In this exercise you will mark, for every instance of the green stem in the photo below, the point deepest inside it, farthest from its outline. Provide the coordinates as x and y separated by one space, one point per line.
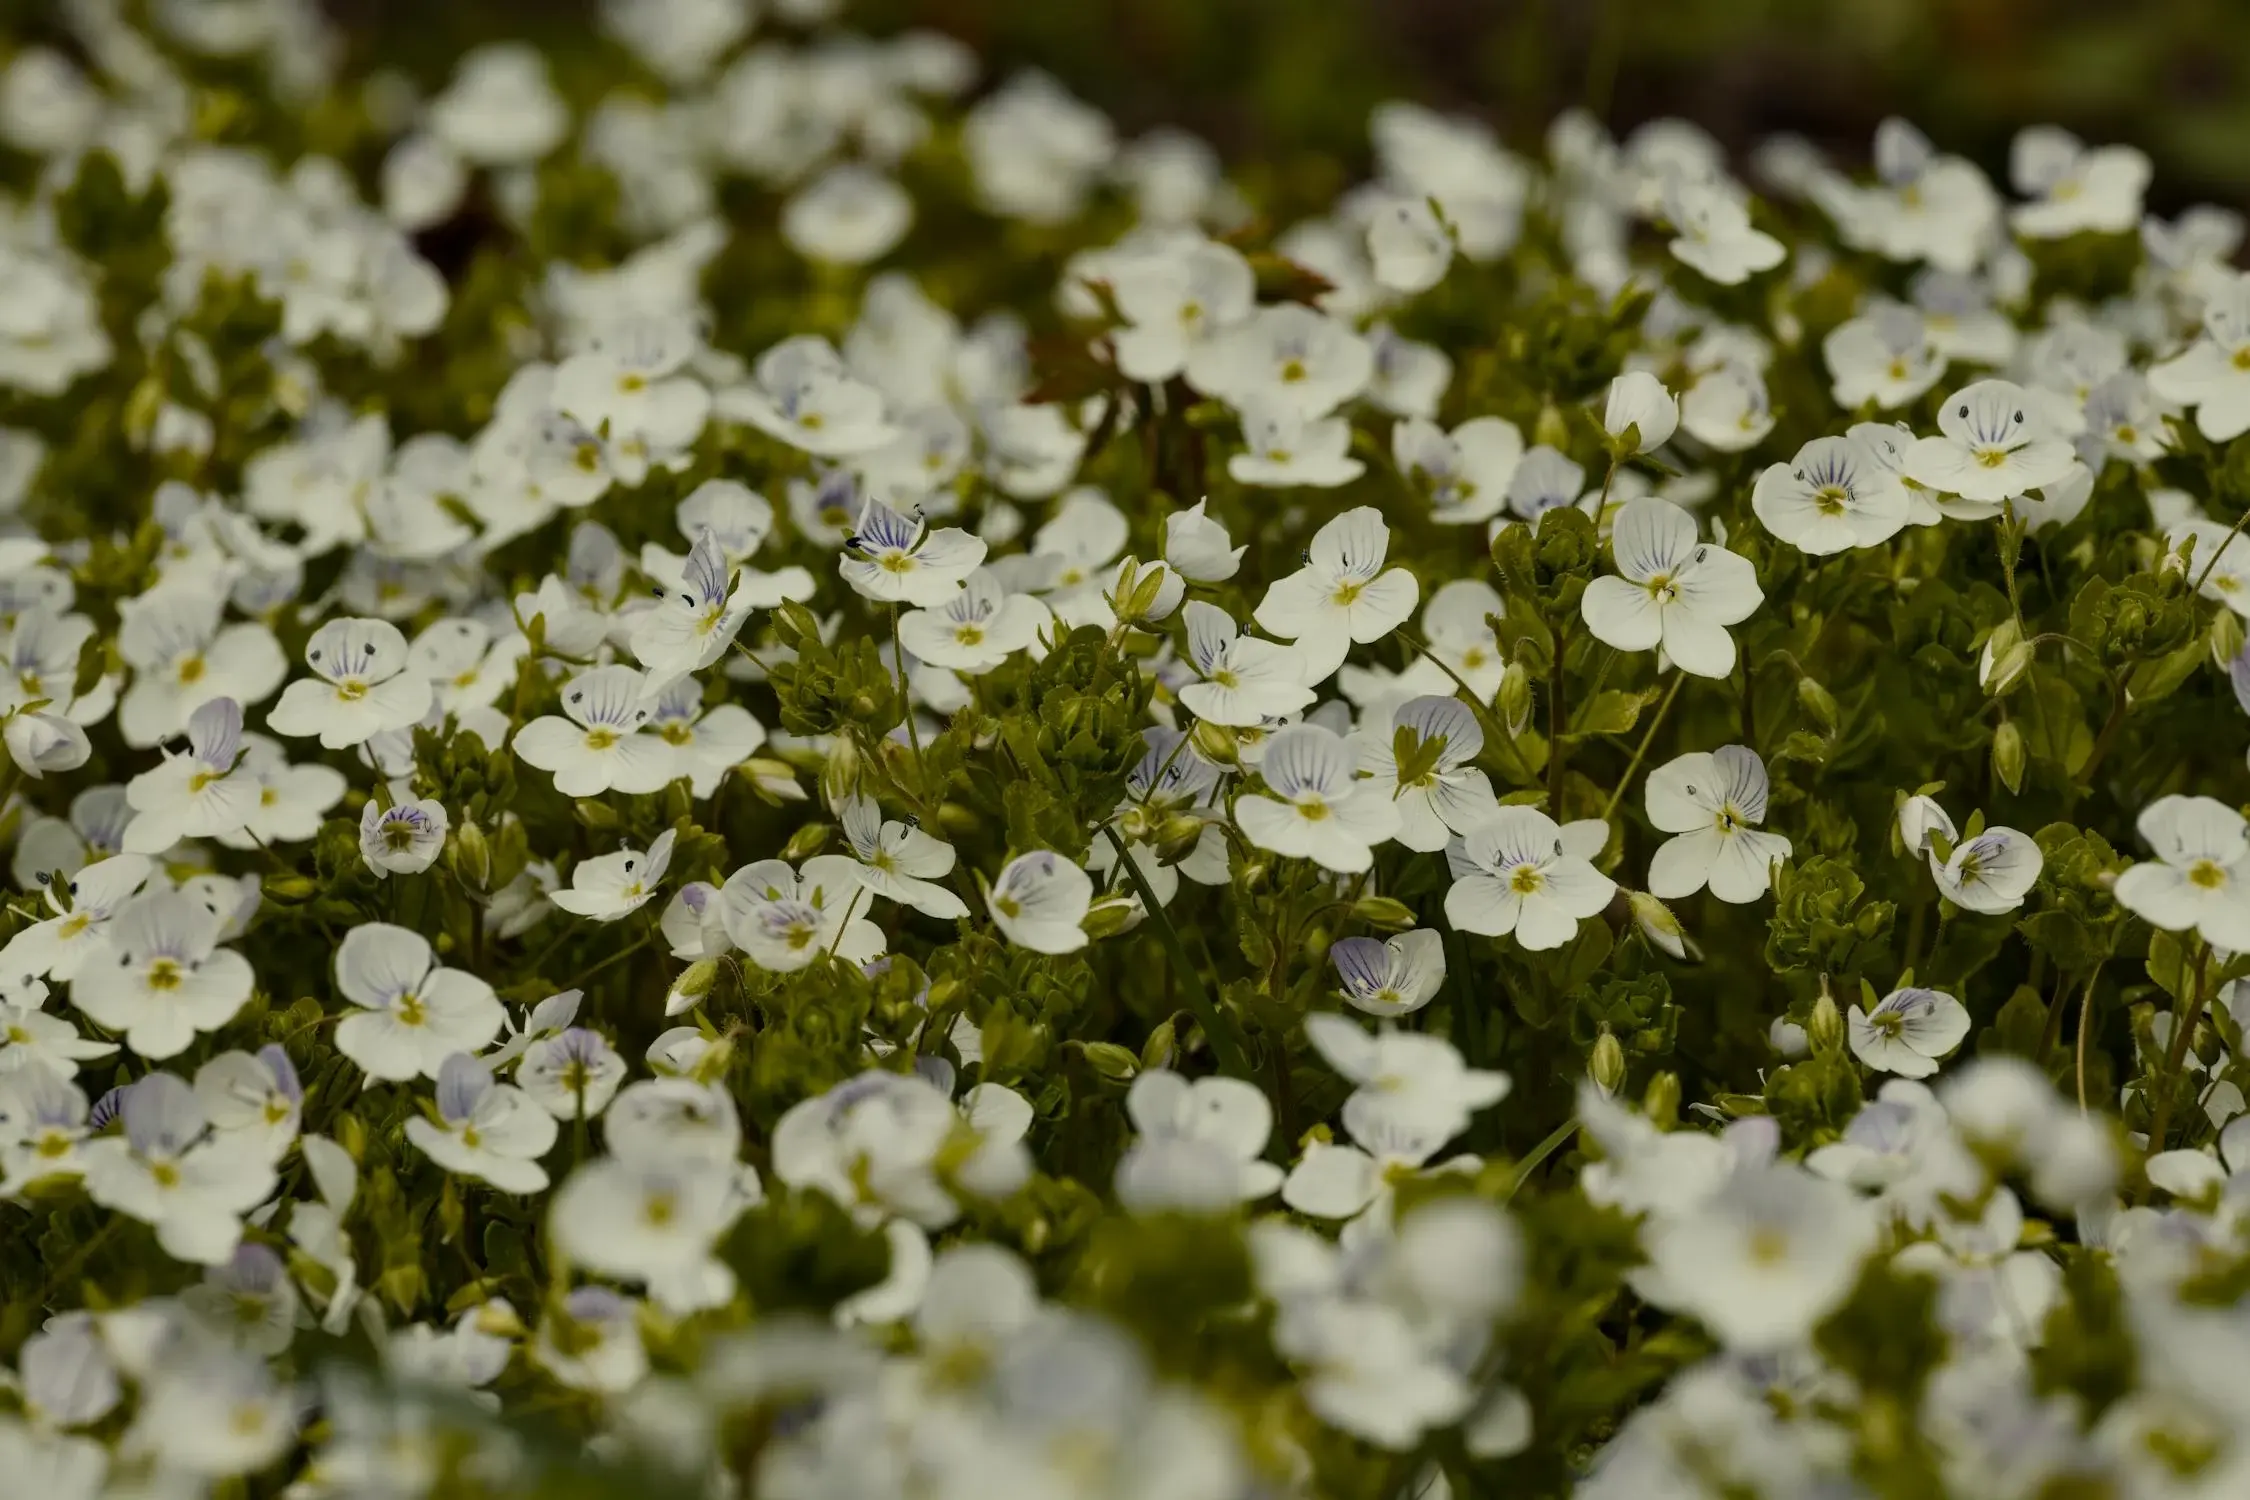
1226 1042
2175 1059
1555 1141
1617 793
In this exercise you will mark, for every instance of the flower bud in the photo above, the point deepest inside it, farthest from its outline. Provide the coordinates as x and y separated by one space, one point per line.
1657 925
1920 822
839 778
1105 918
470 857
2006 657
1607 1066
1215 743
287 890
1109 1060
1824 1029
1176 837
1552 428
1515 698
1384 912
689 990
806 842
2226 638
1145 593
1662 1101
2008 756
1817 701
1162 1046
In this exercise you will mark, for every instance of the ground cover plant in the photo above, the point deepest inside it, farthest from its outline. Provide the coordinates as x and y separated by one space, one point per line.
743 764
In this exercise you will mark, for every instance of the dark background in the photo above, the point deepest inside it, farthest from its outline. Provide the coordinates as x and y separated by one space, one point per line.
1277 78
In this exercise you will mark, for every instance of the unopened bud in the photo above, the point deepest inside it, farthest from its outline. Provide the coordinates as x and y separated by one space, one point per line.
1215 743
805 842
599 816
2008 756
1657 925
1824 1029
1817 701
1515 698
2006 657
471 856
839 778
286 890
1176 837
1162 1046
1551 429
1607 1066
1384 912
1105 918
689 990
1146 593
1662 1101
2226 638
1109 1060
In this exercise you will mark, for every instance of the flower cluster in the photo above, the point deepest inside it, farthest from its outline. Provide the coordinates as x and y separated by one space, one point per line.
760 768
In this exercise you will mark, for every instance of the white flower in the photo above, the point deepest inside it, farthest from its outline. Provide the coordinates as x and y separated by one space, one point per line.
1513 874
1405 1075
592 1343
1454 623
1674 592
599 747
1407 244
1342 595
1920 819
804 396
1245 680
1199 1144
1886 355
1392 978
1990 451
2198 879
898 861
1639 406
1038 901
1339 1182
402 839
1314 806
158 975
1727 408
1763 1259
486 1130
500 109
783 920
165 1170
1287 355
1367 1372
42 742
1174 299
895 560
44 1118
255 1098
1283 447
60 945
1713 803
364 689
202 794
1907 1032
1713 234
1466 473
1425 765
2219 559
182 657
412 1014
2213 376
292 800
611 886
573 1072
692 625
629 391
2074 190
1989 872
1832 496
29 1037
1198 548
977 629
651 1221
847 216
706 745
